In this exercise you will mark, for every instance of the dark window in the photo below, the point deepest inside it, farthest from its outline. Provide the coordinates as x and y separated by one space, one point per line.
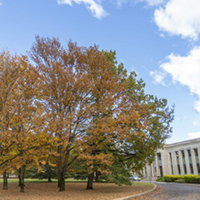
170 155
145 169
159 156
198 168
178 163
190 161
154 164
184 164
197 160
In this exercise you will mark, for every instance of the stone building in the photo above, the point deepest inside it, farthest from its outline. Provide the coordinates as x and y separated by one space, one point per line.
178 158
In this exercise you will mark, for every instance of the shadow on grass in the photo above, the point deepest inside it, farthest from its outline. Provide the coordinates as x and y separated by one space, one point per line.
29 180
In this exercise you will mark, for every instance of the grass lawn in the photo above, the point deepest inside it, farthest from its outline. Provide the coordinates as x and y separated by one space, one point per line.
42 190
30 180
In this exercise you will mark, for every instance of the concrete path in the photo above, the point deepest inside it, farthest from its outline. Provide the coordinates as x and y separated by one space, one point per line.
173 191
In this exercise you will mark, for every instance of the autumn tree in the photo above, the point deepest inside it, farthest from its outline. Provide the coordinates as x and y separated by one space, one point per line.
10 99
95 111
141 127
152 127
65 91
112 118
80 96
22 115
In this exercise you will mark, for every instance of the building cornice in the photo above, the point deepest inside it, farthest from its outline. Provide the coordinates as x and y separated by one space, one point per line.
191 141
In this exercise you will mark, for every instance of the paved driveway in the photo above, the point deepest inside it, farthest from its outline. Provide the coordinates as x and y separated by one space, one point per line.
173 191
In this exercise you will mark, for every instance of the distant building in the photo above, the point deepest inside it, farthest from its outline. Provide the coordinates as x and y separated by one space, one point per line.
178 158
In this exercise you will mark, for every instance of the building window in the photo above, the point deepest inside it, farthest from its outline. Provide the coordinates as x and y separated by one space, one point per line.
154 164
159 156
145 169
170 155
178 163
197 160
190 161
184 163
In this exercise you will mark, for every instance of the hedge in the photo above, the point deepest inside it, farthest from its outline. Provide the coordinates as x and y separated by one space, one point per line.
172 178
190 178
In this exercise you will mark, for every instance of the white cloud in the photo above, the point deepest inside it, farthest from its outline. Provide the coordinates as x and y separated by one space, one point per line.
179 17
120 2
153 2
194 135
158 77
96 9
149 2
185 70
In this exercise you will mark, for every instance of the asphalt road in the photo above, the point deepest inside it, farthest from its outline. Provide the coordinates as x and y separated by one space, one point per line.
173 191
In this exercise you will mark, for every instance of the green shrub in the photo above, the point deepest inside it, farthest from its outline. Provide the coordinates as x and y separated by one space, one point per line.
172 178
167 178
189 178
180 180
160 179
197 179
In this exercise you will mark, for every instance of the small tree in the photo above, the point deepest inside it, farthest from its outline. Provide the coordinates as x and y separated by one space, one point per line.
21 115
10 99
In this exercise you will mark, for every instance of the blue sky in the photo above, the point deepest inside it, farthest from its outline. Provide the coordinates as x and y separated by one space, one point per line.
159 39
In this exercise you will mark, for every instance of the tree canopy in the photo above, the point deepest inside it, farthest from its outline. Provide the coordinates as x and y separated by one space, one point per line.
77 109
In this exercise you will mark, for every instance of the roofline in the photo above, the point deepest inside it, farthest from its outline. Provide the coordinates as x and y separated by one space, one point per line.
183 142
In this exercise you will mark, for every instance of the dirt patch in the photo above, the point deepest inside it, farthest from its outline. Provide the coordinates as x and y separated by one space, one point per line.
74 191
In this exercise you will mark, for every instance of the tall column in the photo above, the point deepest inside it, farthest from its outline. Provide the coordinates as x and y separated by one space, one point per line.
148 170
154 166
181 162
194 162
143 174
167 163
187 162
164 163
152 169
173 163
145 170
157 167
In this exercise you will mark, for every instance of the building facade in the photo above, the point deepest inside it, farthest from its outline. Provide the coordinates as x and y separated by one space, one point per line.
178 158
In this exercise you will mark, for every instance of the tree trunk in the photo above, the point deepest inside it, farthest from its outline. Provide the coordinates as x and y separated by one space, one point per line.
48 169
62 168
5 181
21 174
62 182
59 178
19 181
90 182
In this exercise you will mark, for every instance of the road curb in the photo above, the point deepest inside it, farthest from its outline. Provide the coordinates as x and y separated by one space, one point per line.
137 195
